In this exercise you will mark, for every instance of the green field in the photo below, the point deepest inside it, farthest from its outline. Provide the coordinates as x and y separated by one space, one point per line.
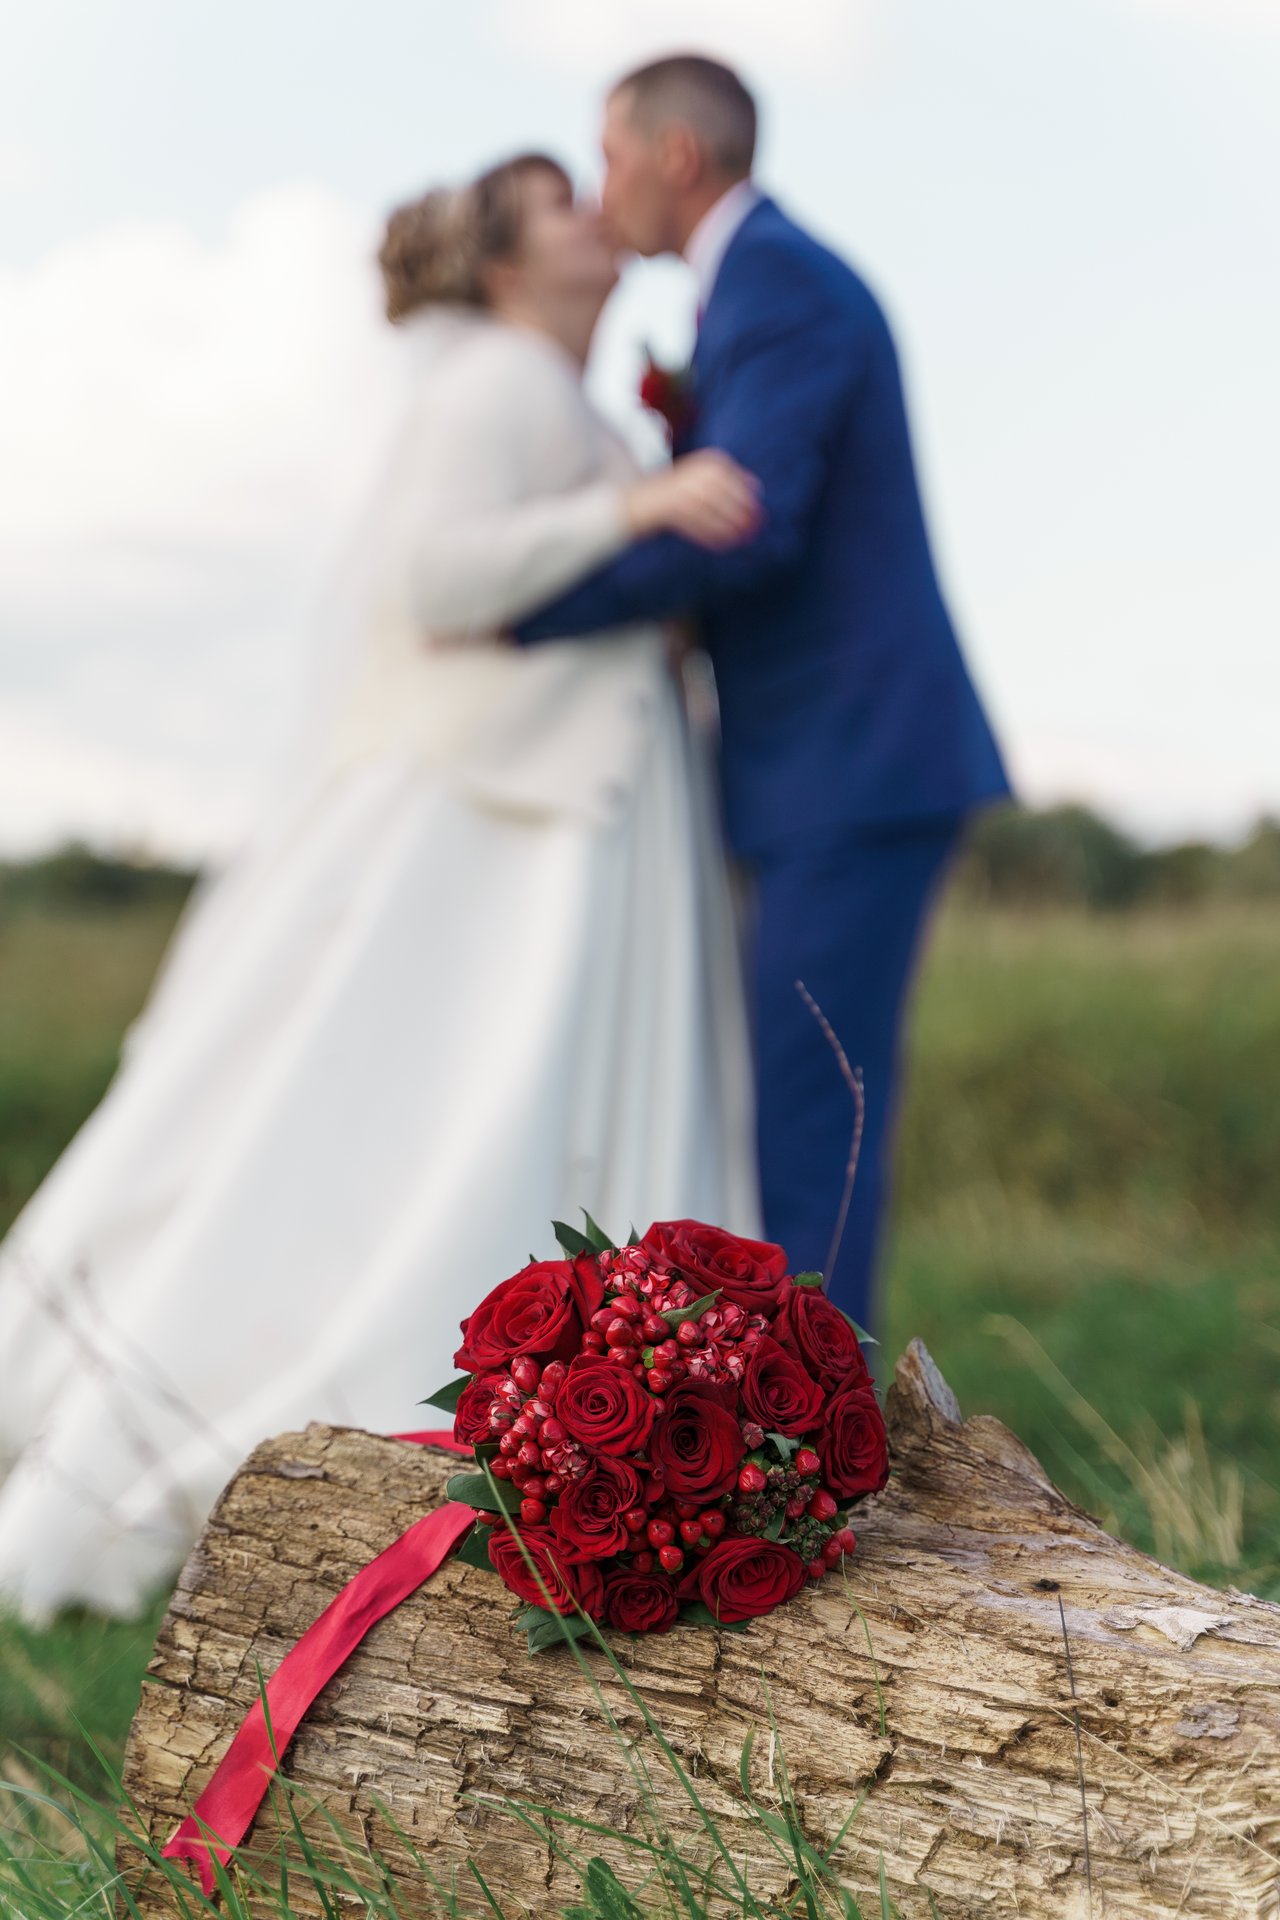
1087 1230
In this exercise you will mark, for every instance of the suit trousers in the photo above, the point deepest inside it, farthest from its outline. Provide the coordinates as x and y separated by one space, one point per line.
846 916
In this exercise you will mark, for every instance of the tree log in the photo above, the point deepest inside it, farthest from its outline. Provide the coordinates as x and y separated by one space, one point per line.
1028 1679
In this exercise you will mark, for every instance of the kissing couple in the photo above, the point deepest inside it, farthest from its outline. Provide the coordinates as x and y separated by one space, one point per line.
483 965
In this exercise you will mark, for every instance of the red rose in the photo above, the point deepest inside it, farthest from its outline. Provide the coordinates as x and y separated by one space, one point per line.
604 1407
748 1272
853 1445
778 1393
541 1311
567 1585
742 1576
697 1443
640 1602
587 1518
471 1415
821 1337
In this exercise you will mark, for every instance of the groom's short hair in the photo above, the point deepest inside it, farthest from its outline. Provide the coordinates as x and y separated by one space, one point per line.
711 97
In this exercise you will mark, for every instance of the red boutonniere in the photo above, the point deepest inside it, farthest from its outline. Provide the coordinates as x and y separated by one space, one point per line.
668 392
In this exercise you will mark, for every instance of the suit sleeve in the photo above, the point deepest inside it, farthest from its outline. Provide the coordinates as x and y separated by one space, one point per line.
778 405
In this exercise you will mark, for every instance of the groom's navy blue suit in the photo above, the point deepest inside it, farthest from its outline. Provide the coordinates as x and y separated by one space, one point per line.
852 741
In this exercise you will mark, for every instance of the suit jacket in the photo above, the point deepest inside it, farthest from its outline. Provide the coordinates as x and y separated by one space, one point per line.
844 700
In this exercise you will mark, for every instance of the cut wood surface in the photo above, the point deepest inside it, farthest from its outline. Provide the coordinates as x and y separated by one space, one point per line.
969 1567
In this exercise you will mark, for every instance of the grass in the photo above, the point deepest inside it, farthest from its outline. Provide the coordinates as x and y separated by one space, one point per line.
1087 1232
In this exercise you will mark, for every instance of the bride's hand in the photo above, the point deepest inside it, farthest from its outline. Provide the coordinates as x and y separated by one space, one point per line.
705 496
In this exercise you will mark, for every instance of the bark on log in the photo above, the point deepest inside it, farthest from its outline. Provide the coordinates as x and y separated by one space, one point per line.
967 1567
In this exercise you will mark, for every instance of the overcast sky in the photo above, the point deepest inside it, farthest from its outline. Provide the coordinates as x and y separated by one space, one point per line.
1067 206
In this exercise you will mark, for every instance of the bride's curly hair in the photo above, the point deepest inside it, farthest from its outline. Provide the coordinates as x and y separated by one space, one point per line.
435 248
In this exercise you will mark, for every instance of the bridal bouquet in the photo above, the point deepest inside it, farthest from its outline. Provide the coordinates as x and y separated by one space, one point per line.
670 1430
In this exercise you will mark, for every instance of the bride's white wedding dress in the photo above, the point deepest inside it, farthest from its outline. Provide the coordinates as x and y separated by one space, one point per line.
478 971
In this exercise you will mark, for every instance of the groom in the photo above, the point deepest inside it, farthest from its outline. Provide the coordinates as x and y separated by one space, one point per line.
853 744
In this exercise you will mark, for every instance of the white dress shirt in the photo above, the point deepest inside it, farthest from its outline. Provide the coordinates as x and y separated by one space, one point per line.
707 245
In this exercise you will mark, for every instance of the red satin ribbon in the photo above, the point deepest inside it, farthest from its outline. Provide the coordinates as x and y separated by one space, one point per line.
225 1810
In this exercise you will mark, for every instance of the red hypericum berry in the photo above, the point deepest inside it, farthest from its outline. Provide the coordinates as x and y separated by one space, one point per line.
552 1434
753 1433
667 1350
519 1475
536 1486
691 1532
816 1568
845 1540
654 1327
685 1509
508 1443
713 1522
620 1333
530 1455
488 1519
751 1478
821 1505
555 1483
552 1379
507 1390
499 1417
602 1319
532 1511
687 1334
526 1372
796 1505
659 1380
634 1519
642 1562
500 1468
621 1356
523 1427
593 1342
807 1461
538 1409
831 1551
660 1533
671 1559
628 1306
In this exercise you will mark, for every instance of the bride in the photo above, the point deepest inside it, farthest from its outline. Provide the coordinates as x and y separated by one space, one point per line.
476 971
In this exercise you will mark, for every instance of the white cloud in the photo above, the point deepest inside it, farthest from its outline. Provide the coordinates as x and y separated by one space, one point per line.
185 426
814 38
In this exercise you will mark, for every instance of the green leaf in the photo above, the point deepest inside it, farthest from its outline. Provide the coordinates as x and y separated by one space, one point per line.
556 1629
609 1898
571 1241
481 1490
865 1339
777 1521
474 1551
633 1238
694 1312
697 1614
744 1762
597 1235
784 1446
807 1279
447 1398
532 1616
486 1450
648 1356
